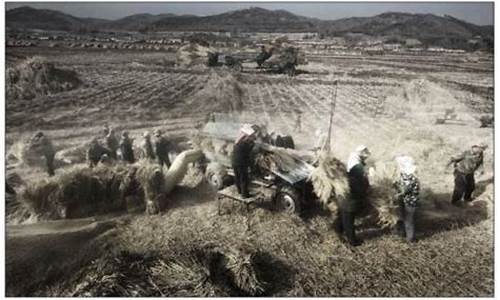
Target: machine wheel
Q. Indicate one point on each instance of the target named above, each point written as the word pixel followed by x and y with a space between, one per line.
pixel 287 200
pixel 237 67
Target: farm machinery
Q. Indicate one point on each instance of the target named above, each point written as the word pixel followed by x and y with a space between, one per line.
pixel 234 61
pixel 281 60
pixel 278 174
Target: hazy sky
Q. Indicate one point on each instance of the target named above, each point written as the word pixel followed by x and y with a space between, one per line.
pixel 475 12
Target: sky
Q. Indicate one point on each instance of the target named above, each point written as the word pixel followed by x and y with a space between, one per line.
pixel 480 13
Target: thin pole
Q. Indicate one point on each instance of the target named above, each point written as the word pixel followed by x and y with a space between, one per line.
pixel 333 102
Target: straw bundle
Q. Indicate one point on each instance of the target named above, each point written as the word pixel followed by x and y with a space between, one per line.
pixel 330 181
pixel 241 265
pixel 382 178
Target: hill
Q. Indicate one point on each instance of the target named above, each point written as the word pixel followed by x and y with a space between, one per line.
pixel 444 31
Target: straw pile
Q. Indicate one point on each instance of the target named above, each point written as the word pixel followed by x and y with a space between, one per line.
pixel 222 93
pixel 192 54
pixel 78 192
pixel 35 77
pixel 187 271
pixel 276 160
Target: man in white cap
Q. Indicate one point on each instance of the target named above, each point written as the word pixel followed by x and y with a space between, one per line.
pixel 358 185
pixel 112 143
pixel 466 164
pixel 407 193
pixel 241 158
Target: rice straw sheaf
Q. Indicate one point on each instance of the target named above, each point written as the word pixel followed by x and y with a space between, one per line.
pixel 382 193
pixel 330 182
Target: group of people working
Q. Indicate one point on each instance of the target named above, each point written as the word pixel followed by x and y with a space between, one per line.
pixel 113 149
pixel 406 187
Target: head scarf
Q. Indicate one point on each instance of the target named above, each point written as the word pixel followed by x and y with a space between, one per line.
pixel 355 157
pixel 245 131
pixel 406 164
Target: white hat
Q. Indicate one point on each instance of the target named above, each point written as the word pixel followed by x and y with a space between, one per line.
pixel 247 129
pixel 406 164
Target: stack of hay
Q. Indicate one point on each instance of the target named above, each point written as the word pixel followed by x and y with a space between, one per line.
pixel 192 54
pixel 78 192
pixel 35 77
pixel 222 93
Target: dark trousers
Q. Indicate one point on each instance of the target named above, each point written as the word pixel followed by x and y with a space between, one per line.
pixel 50 164
pixel 464 186
pixel 345 224
pixel 406 223
pixel 242 179
pixel 164 160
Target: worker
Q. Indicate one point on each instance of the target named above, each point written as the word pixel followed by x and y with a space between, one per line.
pixel 112 142
pixel 43 145
pixel 126 148
pixel 465 165
pixel 241 159
pixel 105 129
pixel 407 194
pixel 95 152
pixel 358 185
pixel 147 146
pixel 161 148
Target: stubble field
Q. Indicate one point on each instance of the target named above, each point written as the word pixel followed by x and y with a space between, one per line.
pixel 389 103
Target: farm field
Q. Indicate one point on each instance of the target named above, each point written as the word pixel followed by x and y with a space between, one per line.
pixel 388 102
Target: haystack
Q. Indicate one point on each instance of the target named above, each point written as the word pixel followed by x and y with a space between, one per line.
pixel 78 192
pixel 36 77
pixel 192 54
pixel 222 93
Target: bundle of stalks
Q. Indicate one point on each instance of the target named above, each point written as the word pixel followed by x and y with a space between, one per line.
pixel 330 181
pixel 276 160
pixel 152 180
pixel 241 265
pixel 122 275
pixel 382 195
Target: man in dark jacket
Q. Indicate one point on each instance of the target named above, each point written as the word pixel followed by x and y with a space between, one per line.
pixel 241 157
pixel 358 185
pixel 161 148
pixel 126 148
pixel 43 145
pixel 466 165
pixel 96 152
